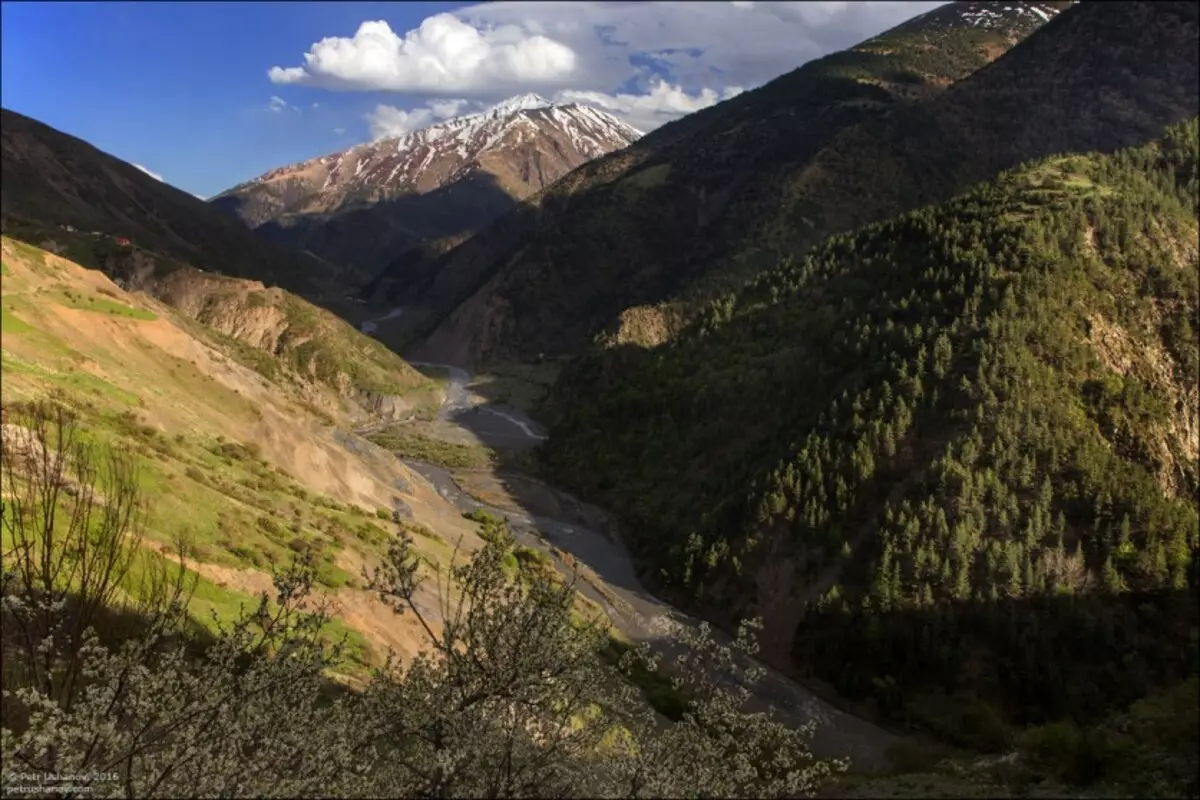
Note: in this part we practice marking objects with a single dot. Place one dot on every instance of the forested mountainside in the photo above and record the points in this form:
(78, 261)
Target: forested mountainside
(951, 458)
(645, 224)
(53, 178)
(368, 204)
(1120, 71)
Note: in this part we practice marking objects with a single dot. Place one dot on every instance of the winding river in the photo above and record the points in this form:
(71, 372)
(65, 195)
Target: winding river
(608, 576)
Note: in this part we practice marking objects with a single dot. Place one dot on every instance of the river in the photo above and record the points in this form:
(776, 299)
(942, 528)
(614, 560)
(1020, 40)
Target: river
(609, 577)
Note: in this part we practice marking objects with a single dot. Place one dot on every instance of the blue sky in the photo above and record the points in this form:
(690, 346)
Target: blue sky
(182, 88)
(185, 89)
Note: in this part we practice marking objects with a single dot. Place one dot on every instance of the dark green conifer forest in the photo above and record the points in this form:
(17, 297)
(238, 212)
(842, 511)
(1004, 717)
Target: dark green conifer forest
(950, 457)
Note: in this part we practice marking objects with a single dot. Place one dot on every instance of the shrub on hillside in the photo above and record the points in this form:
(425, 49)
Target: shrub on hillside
(511, 698)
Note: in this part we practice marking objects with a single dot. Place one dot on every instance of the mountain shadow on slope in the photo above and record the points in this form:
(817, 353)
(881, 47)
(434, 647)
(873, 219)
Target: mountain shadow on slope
(383, 231)
(58, 179)
(658, 220)
(1101, 77)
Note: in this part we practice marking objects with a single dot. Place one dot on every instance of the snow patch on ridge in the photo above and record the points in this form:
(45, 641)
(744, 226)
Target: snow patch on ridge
(426, 159)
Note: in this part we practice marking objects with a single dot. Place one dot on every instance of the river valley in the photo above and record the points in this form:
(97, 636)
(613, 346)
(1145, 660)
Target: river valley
(574, 533)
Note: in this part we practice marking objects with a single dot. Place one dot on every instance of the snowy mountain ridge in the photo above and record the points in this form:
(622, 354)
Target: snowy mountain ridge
(508, 152)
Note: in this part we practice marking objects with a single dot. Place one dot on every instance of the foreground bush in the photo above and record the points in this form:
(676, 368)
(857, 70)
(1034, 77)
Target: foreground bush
(512, 698)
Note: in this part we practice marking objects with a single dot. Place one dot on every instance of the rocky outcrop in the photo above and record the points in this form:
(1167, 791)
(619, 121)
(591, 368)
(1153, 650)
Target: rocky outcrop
(385, 408)
(334, 367)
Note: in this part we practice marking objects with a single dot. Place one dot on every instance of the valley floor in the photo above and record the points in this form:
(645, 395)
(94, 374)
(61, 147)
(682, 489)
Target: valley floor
(582, 539)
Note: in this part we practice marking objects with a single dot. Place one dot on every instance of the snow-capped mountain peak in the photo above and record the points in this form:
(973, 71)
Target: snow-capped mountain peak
(428, 158)
(1020, 17)
(521, 102)
(524, 144)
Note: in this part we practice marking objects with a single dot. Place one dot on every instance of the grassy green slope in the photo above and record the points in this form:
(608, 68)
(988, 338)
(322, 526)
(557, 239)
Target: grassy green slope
(236, 465)
(278, 334)
(63, 193)
(951, 458)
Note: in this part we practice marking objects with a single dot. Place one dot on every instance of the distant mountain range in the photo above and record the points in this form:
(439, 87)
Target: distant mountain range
(367, 205)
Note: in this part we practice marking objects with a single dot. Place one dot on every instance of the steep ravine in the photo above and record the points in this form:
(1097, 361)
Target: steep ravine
(607, 575)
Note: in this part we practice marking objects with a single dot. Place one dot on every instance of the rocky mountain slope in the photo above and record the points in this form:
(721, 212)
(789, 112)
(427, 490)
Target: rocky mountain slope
(310, 346)
(54, 178)
(950, 458)
(671, 216)
(368, 204)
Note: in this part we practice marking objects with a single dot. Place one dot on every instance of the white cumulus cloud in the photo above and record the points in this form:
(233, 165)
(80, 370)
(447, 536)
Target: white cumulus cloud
(661, 104)
(386, 122)
(445, 109)
(444, 54)
(695, 44)
(647, 63)
(154, 175)
(276, 104)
